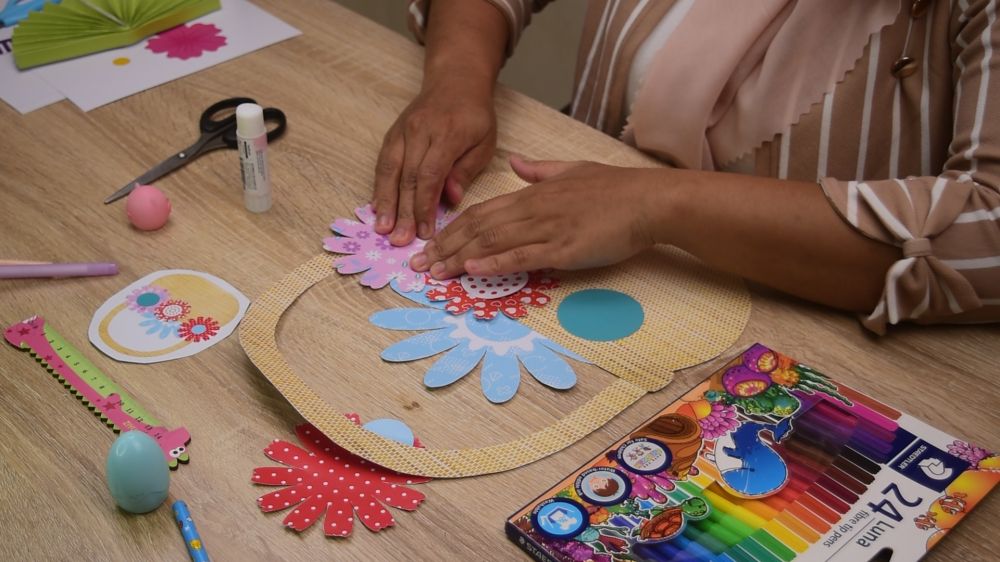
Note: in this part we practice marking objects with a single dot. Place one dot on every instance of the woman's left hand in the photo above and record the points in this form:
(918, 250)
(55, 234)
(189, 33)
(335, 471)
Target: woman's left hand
(575, 215)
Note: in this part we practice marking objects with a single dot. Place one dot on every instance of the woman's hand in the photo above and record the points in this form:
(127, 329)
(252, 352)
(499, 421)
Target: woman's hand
(575, 215)
(440, 143)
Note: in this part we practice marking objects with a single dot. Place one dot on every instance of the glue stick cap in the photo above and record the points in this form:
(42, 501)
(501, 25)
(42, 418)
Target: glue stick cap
(250, 120)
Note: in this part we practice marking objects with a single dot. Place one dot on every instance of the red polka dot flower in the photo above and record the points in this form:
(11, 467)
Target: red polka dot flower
(488, 296)
(327, 483)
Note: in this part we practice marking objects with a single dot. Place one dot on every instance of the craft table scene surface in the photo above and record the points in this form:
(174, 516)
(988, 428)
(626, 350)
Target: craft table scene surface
(341, 84)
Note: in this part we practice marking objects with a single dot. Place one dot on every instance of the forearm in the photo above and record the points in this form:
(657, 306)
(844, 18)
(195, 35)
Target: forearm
(465, 44)
(780, 233)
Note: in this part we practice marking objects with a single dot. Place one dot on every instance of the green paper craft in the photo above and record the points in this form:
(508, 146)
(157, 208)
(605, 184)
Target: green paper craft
(74, 28)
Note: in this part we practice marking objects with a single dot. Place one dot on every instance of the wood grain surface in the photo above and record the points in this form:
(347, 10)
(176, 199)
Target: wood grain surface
(341, 84)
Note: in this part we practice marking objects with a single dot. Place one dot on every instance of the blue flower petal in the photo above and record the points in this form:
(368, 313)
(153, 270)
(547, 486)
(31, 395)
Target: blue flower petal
(548, 368)
(500, 377)
(419, 297)
(409, 319)
(153, 328)
(454, 365)
(419, 346)
(560, 349)
(499, 329)
(501, 373)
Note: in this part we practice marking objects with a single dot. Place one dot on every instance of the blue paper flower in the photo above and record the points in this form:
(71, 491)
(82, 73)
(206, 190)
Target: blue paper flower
(501, 344)
(152, 325)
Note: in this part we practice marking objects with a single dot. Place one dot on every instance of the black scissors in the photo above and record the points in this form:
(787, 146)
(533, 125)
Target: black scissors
(215, 133)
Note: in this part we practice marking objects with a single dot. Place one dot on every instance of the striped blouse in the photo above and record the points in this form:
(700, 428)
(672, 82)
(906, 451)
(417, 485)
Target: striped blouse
(912, 161)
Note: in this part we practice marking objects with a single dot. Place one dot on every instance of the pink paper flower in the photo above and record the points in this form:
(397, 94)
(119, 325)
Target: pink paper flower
(488, 296)
(187, 41)
(330, 484)
(145, 299)
(372, 253)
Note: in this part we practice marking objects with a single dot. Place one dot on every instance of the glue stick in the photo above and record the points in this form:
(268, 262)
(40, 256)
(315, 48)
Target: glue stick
(251, 138)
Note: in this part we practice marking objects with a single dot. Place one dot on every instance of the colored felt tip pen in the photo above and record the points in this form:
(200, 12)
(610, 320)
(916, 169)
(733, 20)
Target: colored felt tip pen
(22, 271)
(191, 538)
(251, 139)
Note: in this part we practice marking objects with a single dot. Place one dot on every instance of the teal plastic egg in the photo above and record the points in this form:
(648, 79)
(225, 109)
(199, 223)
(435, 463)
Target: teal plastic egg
(137, 473)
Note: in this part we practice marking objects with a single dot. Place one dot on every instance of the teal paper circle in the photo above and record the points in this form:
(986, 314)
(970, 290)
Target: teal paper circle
(147, 299)
(600, 315)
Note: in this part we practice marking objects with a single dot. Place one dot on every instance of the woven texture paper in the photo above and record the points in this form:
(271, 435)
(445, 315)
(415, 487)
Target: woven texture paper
(691, 316)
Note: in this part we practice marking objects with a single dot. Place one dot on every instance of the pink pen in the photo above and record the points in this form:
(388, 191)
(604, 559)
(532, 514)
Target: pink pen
(20, 271)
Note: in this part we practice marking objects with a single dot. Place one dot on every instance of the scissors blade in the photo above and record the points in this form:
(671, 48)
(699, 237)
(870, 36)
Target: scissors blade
(154, 173)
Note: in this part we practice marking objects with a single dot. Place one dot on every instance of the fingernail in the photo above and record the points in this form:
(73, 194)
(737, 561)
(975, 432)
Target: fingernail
(437, 270)
(472, 267)
(425, 230)
(383, 222)
(419, 262)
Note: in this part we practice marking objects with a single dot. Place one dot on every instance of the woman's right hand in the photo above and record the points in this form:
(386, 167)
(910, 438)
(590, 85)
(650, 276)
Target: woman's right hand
(438, 145)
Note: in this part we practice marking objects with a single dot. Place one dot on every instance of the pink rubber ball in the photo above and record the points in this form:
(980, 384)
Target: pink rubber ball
(147, 208)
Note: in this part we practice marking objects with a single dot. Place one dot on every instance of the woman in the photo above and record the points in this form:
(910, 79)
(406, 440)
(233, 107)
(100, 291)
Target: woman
(844, 152)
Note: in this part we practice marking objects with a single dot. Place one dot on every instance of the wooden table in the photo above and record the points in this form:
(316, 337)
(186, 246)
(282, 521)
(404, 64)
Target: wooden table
(342, 83)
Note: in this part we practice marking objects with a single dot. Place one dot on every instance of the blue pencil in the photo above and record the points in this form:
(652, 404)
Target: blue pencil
(196, 549)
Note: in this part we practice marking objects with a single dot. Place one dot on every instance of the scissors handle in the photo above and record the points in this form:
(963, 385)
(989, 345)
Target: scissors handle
(227, 125)
(271, 115)
(208, 122)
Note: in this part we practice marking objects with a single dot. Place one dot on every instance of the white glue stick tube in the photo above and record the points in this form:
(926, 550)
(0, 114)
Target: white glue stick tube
(251, 139)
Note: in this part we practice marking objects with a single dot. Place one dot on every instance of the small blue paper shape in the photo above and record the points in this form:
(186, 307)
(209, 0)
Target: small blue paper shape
(16, 10)
(501, 345)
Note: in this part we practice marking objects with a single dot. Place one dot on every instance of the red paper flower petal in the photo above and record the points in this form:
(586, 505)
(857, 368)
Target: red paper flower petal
(306, 513)
(459, 301)
(286, 453)
(326, 481)
(198, 329)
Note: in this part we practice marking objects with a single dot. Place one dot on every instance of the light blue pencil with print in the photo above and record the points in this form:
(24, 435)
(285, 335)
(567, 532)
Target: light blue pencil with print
(190, 533)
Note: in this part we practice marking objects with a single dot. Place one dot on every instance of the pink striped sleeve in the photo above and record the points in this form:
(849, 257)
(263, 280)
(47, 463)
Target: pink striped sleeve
(516, 12)
(947, 226)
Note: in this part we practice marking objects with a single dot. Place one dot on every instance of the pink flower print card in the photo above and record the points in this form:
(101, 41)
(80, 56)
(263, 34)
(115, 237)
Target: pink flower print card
(238, 28)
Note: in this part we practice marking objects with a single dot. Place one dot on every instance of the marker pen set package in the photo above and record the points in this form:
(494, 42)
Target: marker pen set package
(766, 460)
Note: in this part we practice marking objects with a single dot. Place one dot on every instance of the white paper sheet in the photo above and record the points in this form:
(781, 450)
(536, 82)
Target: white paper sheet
(24, 91)
(96, 80)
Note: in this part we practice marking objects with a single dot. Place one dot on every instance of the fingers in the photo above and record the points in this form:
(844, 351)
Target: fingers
(493, 240)
(431, 180)
(453, 190)
(387, 172)
(520, 258)
(417, 142)
(466, 168)
(463, 229)
(535, 171)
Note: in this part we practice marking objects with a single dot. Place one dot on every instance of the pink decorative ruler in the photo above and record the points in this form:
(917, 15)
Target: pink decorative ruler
(109, 402)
